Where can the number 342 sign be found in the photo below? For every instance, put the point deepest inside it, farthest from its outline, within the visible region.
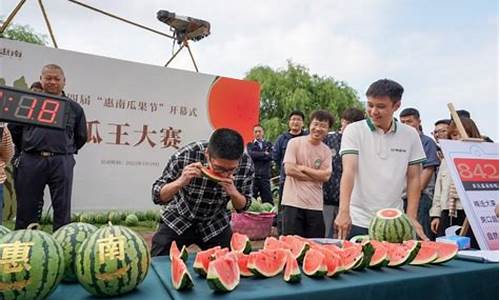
(21, 106)
(474, 169)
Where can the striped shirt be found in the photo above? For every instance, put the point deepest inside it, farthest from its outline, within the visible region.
(6, 152)
(201, 203)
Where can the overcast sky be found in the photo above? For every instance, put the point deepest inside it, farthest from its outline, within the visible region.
(440, 51)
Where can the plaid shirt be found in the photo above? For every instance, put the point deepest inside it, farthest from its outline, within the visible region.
(202, 203)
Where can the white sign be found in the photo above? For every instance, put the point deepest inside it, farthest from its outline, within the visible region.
(474, 169)
(137, 116)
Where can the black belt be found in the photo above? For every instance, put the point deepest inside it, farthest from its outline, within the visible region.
(45, 153)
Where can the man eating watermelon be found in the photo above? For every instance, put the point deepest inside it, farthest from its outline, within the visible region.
(194, 189)
(380, 157)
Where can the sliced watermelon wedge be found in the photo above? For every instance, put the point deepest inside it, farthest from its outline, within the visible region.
(175, 252)
(202, 260)
(298, 247)
(181, 279)
(332, 261)
(292, 272)
(240, 243)
(446, 251)
(267, 262)
(243, 264)
(380, 257)
(314, 263)
(400, 254)
(426, 254)
(223, 274)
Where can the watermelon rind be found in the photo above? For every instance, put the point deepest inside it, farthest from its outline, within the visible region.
(214, 281)
(359, 238)
(410, 249)
(115, 273)
(45, 261)
(185, 282)
(394, 229)
(368, 251)
(4, 230)
(379, 261)
(292, 274)
(208, 174)
(71, 237)
(240, 243)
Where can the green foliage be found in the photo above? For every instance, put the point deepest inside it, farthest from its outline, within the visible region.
(285, 90)
(24, 33)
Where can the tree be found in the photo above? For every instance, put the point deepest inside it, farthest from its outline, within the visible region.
(294, 88)
(24, 33)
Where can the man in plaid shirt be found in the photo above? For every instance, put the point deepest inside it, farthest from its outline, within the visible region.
(194, 207)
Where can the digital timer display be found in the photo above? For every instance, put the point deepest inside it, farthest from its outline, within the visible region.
(21, 106)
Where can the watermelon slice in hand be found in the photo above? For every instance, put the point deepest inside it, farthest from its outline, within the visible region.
(207, 172)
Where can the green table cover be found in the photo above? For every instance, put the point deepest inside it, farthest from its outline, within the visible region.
(150, 288)
(457, 279)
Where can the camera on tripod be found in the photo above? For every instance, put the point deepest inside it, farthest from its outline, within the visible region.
(184, 28)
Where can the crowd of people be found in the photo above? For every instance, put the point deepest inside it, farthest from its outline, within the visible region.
(331, 183)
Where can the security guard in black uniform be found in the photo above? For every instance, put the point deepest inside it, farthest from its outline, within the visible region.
(47, 158)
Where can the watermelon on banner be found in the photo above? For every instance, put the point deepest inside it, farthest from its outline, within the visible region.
(181, 279)
(391, 225)
(112, 261)
(223, 273)
(71, 237)
(240, 243)
(4, 230)
(41, 267)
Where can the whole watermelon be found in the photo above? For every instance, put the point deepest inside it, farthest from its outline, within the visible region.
(391, 225)
(37, 265)
(71, 237)
(112, 261)
(4, 230)
(131, 220)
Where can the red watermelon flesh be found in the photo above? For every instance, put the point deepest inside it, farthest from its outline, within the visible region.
(314, 263)
(223, 274)
(426, 254)
(240, 243)
(220, 253)
(273, 243)
(267, 263)
(400, 254)
(332, 261)
(175, 252)
(352, 256)
(181, 279)
(202, 260)
(380, 257)
(297, 246)
(446, 252)
(292, 272)
(243, 264)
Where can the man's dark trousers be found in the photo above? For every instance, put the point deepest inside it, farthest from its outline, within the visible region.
(33, 173)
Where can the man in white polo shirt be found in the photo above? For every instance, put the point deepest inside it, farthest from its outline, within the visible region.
(379, 158)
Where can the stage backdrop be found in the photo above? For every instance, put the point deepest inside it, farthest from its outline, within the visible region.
(137, 116)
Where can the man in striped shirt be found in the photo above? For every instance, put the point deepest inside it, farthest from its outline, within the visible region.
(194, 206)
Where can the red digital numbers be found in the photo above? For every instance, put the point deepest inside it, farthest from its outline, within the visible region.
(477, 170)
(26, 107)
(48, 112)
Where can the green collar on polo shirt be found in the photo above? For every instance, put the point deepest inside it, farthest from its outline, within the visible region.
(372, 126)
